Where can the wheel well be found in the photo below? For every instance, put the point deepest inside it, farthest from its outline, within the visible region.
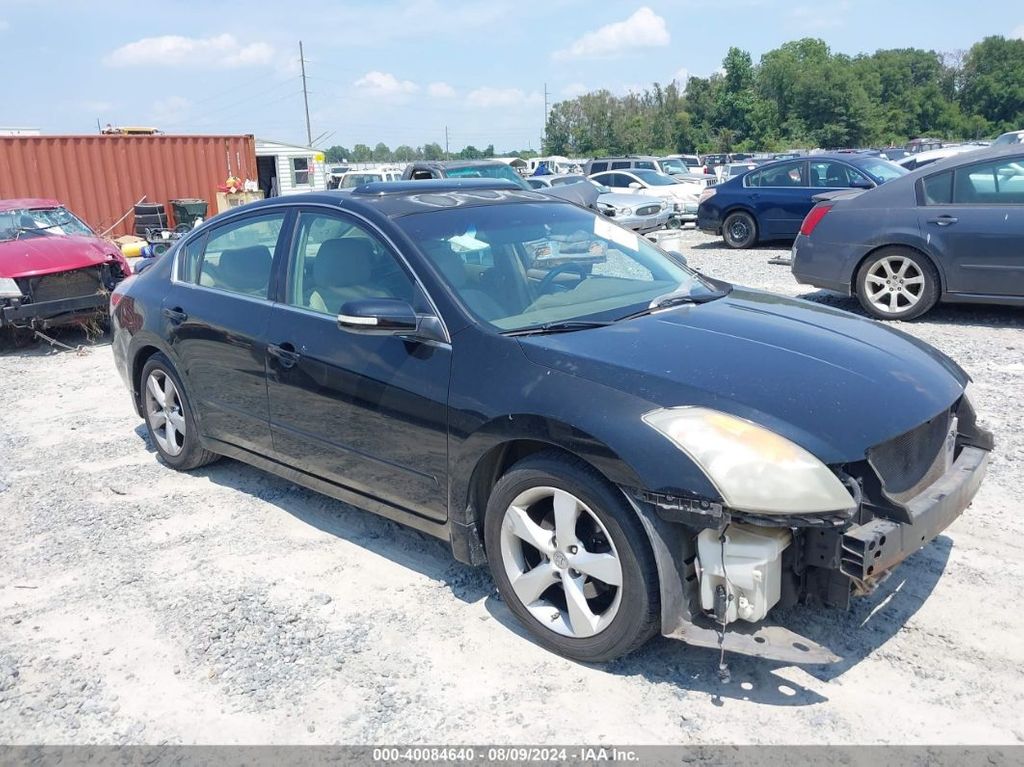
(141, 357)
(873, 251)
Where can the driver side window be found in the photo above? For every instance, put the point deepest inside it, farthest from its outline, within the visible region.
(336, 260)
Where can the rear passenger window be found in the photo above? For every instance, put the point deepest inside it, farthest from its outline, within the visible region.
(598, 167)
(621, 165)
(644, 164)
(938, 189)
(237, 256)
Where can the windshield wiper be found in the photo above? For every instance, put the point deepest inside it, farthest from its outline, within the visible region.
(669, 300)
(565, 326)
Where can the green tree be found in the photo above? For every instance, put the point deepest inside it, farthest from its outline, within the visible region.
(993, 82)
(361, 153)
(381, 153)
(433, 151)
(336, 154)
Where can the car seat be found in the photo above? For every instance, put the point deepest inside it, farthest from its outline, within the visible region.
(242, 270)
(454, 270)
(343, 271)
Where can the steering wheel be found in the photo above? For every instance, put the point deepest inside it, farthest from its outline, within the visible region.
(570, 266)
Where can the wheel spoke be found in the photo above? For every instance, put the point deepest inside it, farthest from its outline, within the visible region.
(170, 393)
(903, 264)
(524, 528)
(894, 301)
(886, 266)
(877, 279)
(603, 567)
(531, 584)
(158, 419)
(177, 420)
(911, 298)
(171, 435)
(567, 511)
(918, 280)
(581, 618)
(154, 388)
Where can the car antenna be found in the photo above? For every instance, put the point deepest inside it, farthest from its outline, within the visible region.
(722, 600)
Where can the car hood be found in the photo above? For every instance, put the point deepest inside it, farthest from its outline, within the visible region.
(686, 192)
(32, 256)
(626, 200)
(832, 382)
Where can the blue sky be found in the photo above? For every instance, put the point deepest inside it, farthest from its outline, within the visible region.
(399, 71)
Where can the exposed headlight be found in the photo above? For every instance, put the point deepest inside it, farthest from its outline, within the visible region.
(9, 288)
(754, 469)
(624, 211)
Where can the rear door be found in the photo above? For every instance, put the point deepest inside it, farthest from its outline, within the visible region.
(366, 412)
(216, 313)
(973, 220)
(781, 199)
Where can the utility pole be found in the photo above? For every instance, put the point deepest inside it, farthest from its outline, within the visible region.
(544, 138)
(305, 96)
(446, 155)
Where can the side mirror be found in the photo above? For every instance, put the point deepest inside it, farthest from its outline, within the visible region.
(861, 183)
(680, 256)
(635, 185)
(388, 317)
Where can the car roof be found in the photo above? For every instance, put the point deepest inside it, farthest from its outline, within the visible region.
(455, 163)
(395, 199)
(28, 202)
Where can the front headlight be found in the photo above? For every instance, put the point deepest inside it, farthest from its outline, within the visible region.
(624, 211)
(9, 288)
(754, 469)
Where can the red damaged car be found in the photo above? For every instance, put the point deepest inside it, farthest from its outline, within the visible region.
(54, 270)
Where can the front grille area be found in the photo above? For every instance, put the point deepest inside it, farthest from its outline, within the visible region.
(78, 282)
(648, 210)
(909, 463)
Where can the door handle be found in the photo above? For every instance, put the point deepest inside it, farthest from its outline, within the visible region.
(175, 315)
(285, 354)
(943, 220)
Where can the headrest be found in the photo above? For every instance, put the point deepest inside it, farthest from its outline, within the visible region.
(452, 267)
(245, 269)
(342, 262)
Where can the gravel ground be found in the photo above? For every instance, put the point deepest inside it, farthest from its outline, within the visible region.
(138, 605)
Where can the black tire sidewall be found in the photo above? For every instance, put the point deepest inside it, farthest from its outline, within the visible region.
(930, 294)
(749, 242)
(633, 624)
(191, 451)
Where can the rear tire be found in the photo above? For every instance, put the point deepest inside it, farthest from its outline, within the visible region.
(739, 230)
(897, 283)
(169, 419)
(592, 595)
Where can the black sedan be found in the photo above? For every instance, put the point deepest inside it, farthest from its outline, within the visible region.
(953, 231)
(769, 202)
(614, 434)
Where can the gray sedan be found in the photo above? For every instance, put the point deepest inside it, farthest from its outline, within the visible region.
(952, 231)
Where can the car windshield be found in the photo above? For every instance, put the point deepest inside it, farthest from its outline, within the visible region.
(673, 165)
(489, 171)
(882, 170)
(525, 265)
(653, 178)
(561, 180)
(41, 221)
(353, 180)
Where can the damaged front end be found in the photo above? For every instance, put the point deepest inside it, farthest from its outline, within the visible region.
(723, 570)
(73, 297)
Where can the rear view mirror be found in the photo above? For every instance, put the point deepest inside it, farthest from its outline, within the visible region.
(680, 256)
(635, 185)
(861, 183)
(388, 317)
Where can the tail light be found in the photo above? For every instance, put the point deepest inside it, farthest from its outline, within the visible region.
(707, 194)
(812, 219)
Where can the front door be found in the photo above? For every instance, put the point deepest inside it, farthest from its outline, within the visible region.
(366, 412)
(781, 200)
(217, 311)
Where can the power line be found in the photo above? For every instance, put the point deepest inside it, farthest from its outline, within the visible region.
(305, 96)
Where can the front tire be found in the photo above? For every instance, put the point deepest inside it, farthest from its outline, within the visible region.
(571, 560)
(739, 230)
(169, 419)
(897, 283)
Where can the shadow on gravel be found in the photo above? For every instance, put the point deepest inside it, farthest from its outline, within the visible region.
(23, 343)
(979, 315)
(718, 244)
(402, 545)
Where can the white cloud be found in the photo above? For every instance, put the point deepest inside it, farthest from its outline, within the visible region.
(644, 29)
(177, 51)
(441, 90)
(385, 84)
(486, 97)
(170, 109)
(572, 90)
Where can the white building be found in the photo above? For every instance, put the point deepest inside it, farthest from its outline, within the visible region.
(289, 169)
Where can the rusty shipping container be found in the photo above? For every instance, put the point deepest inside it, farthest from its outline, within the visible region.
(101, 177)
